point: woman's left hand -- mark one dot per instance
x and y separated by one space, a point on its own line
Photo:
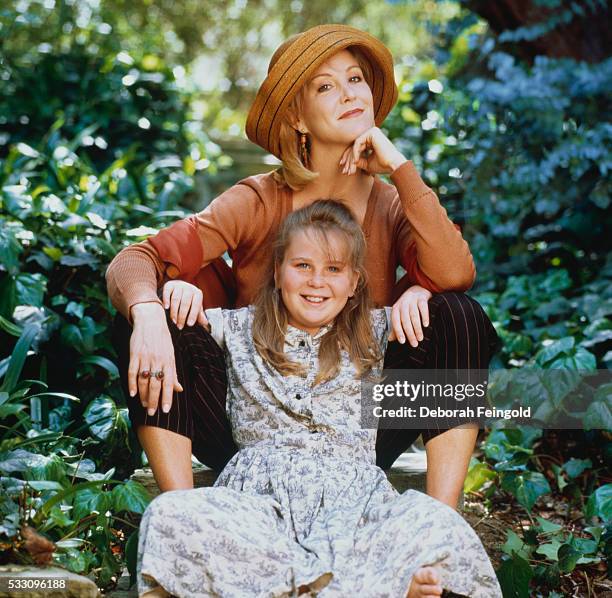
373 152
407 314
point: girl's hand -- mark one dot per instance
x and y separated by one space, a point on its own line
373 152
408 313
184 301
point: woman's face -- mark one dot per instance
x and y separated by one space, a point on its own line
315 281
337 104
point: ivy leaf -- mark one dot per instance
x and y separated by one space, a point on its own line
105 420
598 415
550 551
10 249
477 477
548 353
568 557
130 496
548 527
31 289
514 576
600 504
90 499
515 545
526 486
574 467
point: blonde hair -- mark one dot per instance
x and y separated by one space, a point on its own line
294 172
351 330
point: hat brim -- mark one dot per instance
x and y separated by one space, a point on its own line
297 65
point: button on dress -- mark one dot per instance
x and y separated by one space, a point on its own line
302 503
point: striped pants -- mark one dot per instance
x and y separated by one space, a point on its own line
459 335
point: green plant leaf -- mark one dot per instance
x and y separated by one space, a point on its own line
551 351
526 486
105 420
130 496
18 357
515 545
88 500
568 557
103 362
131 556
599 503
598 415
548 527
514 576
550 550
478 475
574 467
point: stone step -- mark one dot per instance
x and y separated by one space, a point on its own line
29 581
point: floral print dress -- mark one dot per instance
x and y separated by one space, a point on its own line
302 507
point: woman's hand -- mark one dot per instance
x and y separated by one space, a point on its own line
185 303
152 369
373 152
409 311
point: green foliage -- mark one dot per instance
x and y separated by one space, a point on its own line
97 150
520 154
41 469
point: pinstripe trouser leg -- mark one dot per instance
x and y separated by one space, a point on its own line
459 336
199 411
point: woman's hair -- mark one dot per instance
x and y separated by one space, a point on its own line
352 329
294 172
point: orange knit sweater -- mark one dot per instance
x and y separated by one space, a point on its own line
404 224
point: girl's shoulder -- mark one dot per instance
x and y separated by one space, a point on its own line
230 326
381 321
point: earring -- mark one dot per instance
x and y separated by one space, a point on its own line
303 149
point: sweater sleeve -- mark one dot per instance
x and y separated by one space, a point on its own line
182 249
431 248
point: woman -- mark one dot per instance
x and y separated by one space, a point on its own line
327 91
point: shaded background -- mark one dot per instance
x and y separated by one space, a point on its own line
117 118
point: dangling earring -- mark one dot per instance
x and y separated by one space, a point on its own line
303 149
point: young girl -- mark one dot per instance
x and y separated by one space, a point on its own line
302 508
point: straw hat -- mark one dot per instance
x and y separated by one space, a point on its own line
295 62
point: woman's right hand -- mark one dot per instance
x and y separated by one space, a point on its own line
184 301
152 351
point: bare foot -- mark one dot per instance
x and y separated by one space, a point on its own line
157 592
426 583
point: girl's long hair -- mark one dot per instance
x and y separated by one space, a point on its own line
352 328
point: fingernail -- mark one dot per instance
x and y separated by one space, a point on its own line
132 393
420 337
151 411
166 408
402 340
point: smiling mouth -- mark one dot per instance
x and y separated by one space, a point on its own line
314 300
352 113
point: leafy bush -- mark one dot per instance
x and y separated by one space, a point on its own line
520 154
97 150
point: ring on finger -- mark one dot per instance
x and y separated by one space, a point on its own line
159 374
145 374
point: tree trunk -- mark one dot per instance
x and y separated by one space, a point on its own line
585 37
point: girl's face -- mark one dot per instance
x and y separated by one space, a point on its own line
337 104
315 280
